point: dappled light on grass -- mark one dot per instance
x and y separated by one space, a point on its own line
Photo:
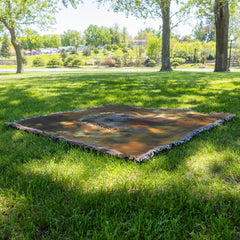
52 190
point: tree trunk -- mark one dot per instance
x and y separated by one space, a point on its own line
17 48
221 12
165 8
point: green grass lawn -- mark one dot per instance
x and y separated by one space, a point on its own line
52 190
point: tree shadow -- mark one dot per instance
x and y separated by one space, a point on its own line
162 198
51 209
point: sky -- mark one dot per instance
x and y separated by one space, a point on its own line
88 13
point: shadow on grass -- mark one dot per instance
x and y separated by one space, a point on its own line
45 206
109 198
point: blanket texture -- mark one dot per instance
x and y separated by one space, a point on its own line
123 130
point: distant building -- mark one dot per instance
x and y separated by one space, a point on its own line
137 43
67 48
48 50
82 48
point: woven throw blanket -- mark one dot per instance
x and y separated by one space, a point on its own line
123 130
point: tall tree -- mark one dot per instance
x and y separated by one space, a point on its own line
72 38
234 25
115 35
221 10
51 41
144 34
124 35
205 32
16 15
221 13
5 49
97 36
144 9
166 33
33 39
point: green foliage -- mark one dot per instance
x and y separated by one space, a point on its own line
17 14
109 62
118 52
192 50
115 35
54 62
195 57
145 35
105 51
63 54
5 49
154 48
115 47
125 50
73 61
51 41
74 51
205 33
86 52
126 59
38 62
119 60
175 64
97 62
96 50
31 40
97 36
234 25
138 62
150 62
71 38
68 60
178 60
77 62
109 47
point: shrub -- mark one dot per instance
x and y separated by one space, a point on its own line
109 48
109 61
178 60
68 60
150 62
203 59
54 62
125 50
96 50
175 64
38 62
119 60
63 54
115 46
131 46
118 52
138 62
105 52
86 52
76 62
97 62
74 51
126 59
73 61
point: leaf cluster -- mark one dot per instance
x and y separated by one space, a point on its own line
20 13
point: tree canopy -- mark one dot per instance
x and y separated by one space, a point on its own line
17 15
145 9
97 36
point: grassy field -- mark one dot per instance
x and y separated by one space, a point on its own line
52 190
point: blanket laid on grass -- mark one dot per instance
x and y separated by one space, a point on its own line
123 130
